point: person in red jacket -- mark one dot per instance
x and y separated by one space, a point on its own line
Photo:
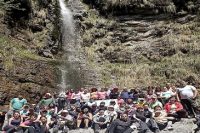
175 108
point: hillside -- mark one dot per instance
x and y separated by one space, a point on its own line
129 43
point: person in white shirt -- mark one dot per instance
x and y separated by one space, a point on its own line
187 96
111 113
85 96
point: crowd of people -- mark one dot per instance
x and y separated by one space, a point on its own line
150 110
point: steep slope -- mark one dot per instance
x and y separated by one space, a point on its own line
29 36
136 49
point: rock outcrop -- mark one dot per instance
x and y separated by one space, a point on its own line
134 49
29 29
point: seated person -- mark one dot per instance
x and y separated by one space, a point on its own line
154 102
14 122
161 118
146 118
165 94
111 113
175 108
2 118
100 121
65 121
25 110
121 125
102 106
31 125
84 116
43 124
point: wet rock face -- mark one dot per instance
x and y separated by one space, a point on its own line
122 43
35 22
29 78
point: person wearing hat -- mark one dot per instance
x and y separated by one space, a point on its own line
102 106
65 121
111 113
100 121
160 116
94 108
155 102
175 108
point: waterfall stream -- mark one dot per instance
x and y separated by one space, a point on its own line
70 71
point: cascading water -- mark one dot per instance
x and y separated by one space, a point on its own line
70 69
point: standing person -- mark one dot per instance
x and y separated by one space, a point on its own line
107 93
187 96
18 103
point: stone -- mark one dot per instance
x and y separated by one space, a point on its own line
36 28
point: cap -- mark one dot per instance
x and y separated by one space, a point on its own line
154 96
139 107
102 103
64 111
110 106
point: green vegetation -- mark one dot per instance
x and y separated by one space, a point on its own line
142 70
11 49
167 6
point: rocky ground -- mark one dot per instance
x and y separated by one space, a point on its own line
184 126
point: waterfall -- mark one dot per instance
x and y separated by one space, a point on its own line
67 24
63 80
70 73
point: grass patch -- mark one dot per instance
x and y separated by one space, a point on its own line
10 49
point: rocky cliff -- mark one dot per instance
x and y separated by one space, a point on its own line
141 43
126 43
29 36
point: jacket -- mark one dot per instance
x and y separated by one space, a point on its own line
168 106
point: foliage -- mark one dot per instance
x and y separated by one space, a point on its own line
167 6
8 5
